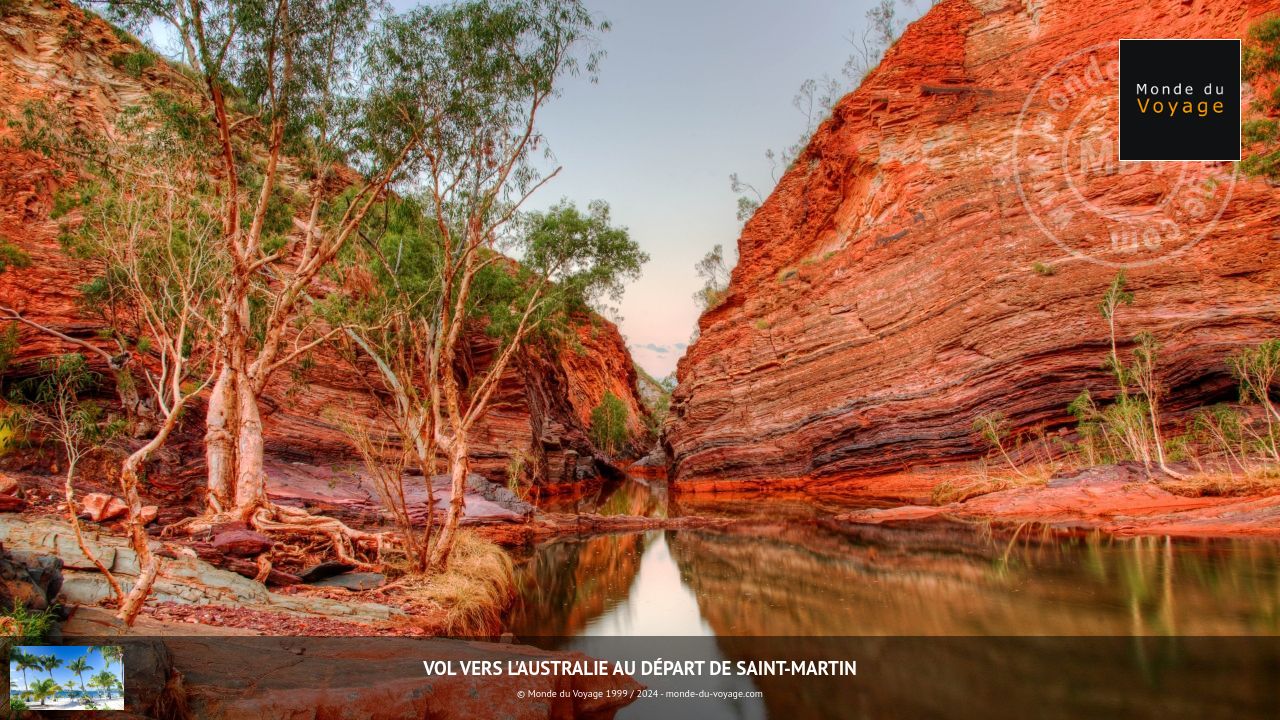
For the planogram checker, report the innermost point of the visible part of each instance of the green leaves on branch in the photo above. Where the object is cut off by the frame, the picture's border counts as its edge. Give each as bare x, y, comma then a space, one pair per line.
1261, 58
584, 255
609, 424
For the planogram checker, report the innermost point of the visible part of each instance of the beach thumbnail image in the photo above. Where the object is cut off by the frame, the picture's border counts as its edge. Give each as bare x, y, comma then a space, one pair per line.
66, 677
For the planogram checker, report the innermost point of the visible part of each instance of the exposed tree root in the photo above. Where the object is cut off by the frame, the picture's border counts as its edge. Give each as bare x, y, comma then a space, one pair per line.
347, 542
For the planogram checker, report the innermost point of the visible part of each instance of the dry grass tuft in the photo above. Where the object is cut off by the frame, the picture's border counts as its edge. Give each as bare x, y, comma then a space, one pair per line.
1259, 480
472, 594
984, 482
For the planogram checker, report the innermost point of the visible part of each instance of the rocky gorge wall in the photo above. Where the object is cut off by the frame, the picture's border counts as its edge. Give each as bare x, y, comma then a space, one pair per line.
56, 53
939, 249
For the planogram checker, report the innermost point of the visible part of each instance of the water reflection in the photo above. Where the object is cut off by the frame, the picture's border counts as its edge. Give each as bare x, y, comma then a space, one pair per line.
791, 575
628, 496
792, 584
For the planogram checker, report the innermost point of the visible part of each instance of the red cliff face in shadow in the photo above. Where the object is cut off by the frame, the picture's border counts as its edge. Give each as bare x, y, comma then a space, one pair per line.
896, 284
52, 52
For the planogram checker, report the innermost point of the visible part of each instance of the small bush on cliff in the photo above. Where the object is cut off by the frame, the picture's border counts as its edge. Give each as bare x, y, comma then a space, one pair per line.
609, 424
1258, 369
1128, 428
994, 429
1262, 58
12, 256
133, 64
714, 272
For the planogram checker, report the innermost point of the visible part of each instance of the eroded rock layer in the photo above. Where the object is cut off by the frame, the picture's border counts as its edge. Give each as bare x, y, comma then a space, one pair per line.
939, 250
53, 53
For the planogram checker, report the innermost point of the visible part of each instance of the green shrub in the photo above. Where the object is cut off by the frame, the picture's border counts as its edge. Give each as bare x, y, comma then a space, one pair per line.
28, 624
134, 63
609, 423
1044, 269
12, 256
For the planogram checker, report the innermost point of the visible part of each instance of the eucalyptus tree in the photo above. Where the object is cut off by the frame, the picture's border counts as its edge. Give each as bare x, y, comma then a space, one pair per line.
569, 261
441, 101
478, 75
150, 236
282, 84
55, 402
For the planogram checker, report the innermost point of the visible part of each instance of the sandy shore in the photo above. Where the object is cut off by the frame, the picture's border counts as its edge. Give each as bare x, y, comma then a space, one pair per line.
116, 703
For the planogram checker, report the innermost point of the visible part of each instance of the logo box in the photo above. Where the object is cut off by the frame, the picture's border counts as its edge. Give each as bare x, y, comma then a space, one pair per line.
1180, 100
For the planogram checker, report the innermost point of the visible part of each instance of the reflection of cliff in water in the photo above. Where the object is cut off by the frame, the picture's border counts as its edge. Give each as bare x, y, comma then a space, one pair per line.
805, 587
568, 583
954, 580
624, 496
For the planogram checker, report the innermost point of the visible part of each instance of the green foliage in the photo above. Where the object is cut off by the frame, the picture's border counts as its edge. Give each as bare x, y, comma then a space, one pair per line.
43, 689
1129, 427
1044, 269
12, 256
31, 625
1220, 428
64, 374
105, 680
1262, 57
1260, 130
714, 272
134, 63
1262, 49
1115, 296
1257, 369
609, 424
656, 395
54, 399
79, 667
993, 427
8, 346
183, 121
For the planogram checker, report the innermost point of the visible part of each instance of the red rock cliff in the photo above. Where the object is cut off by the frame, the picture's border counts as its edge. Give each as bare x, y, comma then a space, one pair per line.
924, 261
54, 52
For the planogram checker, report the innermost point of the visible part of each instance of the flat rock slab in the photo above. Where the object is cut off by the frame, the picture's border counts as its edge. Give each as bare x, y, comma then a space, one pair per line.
876, 516
242, 543
354, 581
312, 484
316, 573
183, 579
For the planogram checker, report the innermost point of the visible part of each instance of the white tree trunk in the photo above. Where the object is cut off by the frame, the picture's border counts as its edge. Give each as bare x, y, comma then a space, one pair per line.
251, 479
459, 468
220, 442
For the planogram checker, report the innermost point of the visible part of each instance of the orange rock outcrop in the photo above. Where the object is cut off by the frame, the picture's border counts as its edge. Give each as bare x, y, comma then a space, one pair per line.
939, 249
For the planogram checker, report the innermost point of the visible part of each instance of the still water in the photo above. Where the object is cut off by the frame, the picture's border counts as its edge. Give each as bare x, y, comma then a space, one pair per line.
787, 573
763, 587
